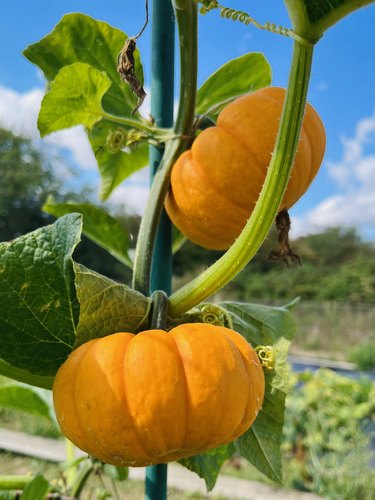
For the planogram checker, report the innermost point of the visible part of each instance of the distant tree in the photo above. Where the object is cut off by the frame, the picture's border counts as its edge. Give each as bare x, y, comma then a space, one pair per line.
336, 265
333, 246
26, 179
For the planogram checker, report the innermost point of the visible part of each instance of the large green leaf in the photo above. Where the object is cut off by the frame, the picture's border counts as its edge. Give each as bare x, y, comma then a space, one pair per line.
264, 325
38, 305
26, 399
74, 98
80, 38
207, 465
311, 18
107, 307
115, 166
260, 324
98, 225
238, 76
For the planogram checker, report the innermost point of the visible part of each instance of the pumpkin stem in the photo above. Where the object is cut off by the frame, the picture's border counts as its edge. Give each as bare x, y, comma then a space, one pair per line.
284, 251
159, 310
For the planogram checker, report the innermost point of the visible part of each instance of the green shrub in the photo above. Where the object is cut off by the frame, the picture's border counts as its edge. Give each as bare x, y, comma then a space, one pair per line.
364, 355
326, 446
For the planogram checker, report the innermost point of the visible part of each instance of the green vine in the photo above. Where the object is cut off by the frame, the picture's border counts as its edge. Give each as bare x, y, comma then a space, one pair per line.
262, 218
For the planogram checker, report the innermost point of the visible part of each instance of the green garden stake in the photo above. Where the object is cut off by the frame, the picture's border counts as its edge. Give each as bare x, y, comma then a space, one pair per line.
162, 93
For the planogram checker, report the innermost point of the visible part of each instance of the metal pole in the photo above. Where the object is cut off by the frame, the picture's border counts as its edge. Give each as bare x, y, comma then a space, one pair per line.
162, 98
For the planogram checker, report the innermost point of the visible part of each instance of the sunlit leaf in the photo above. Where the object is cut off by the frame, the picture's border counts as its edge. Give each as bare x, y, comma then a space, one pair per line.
236, 77
80, 38
74, 98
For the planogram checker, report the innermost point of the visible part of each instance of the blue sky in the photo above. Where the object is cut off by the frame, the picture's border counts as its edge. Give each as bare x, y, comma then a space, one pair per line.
341, 89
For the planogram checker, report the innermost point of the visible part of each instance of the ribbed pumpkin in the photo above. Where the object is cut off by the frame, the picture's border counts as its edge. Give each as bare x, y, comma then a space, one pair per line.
158, 396
215, 184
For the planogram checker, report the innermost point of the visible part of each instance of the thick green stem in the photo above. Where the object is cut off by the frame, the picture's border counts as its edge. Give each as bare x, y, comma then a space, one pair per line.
14, 482
80, 480
72, 470
262, 218
187, 30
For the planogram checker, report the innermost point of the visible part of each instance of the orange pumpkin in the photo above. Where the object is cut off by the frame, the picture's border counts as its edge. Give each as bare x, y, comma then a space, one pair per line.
135, 400
215, 184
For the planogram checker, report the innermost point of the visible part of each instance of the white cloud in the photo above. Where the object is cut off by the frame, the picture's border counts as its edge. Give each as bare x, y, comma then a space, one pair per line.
19, 113
132, 194
75, 141
354, 175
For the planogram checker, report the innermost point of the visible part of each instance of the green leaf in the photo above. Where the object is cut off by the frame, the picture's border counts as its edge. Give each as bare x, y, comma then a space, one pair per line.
261, 443
38, 306
25, 399
107, 307
207, 465
80, 38
115, 472
116, 166
37, 489
260, 324
74, 98
237, 77
265, 325
98, 225
311, 18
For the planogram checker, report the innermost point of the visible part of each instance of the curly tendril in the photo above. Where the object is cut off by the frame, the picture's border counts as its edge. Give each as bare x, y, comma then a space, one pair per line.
116, 140
267, 356
215, 315
245, 18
